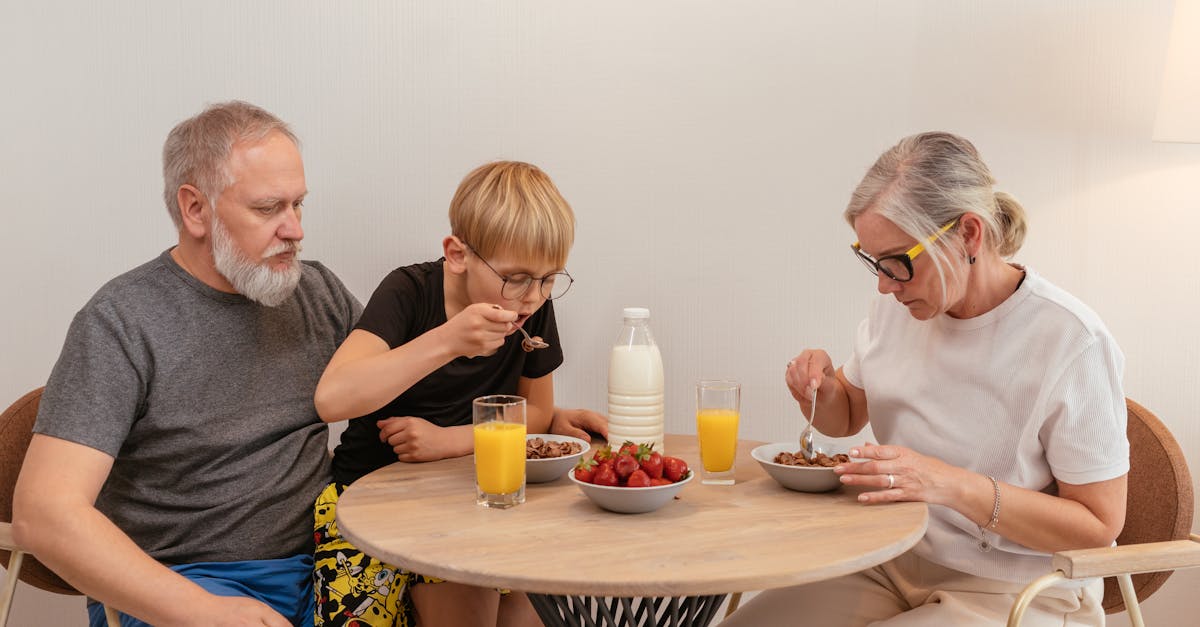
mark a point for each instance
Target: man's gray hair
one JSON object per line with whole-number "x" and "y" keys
{"x": 197, "y": 150}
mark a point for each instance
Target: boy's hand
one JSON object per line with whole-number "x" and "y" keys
{"x": 480, "y": 329}
{"x": 577, "y": 422}
{"x": 418, "y": 440}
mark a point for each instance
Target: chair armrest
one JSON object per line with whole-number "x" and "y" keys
{"x": 6, "y": 537}
{"x": 1132, "y": 559}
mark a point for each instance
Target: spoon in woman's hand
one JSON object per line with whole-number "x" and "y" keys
{"x": 806, "y": 436}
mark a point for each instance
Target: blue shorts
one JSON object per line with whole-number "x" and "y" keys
{"x": 284, "y": 584}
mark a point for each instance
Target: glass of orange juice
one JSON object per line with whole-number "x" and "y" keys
{"x": 499, "y": 423}
{"x": 718, "y": 404}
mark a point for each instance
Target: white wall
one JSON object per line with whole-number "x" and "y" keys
{"x": 708, "y": 149}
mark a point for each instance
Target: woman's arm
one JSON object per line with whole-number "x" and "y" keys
{"x": 1081, "y": 516}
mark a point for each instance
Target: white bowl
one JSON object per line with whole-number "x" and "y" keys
{"x": 799, "y": 478}
{"x": 551, "y": 468}
{"x": 631, "y": 500}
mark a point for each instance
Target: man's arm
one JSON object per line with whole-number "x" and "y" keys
{"x": 55, "y": 518}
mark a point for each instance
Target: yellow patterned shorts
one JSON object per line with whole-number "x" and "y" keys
{"x": 354, "y": 589}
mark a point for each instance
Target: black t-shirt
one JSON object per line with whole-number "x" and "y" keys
{"x": 409, "y": 302}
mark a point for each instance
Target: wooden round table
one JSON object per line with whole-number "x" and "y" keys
{"x": 710, "y": 541}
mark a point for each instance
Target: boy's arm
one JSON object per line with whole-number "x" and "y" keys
{"x": 414, "y": 439}
{"x": 366, "y": 374}
{"x": 55, "y": 518}
{"x": 539, "y": 402}
{"x": 541, "y": 416}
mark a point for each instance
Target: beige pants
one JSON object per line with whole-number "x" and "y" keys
{"x": 910, "y": 591}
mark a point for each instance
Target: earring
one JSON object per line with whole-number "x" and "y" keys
{"x": 971, "y": 260}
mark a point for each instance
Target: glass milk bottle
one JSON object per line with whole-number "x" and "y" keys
{"x": 635, "y": 384}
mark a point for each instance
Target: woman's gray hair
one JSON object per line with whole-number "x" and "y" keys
{"x": 927, "y": 181}
{"x": 197, "y": 150}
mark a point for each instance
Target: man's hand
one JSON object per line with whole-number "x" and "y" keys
{"x": 577, "y": 422}
{"x": 238, "y": 612}
{"x": 418, "y": 440}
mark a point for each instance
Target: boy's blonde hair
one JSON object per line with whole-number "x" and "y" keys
{"x": 514, "y": 207}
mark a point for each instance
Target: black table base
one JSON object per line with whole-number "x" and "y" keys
{"x": 578, "y": 611}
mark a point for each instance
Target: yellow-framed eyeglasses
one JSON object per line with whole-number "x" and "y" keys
{"x": 898, "y": 267}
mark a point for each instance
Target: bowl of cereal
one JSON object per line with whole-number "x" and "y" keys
{"x": 549, "y": 457}
{"x": 784, "y": 462}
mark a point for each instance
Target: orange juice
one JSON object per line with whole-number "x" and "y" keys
{"x": 718, "y": 438}
{"x": 499, "y": 457}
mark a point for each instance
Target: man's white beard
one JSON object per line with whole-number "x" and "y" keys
{"x": 256, "y": 281}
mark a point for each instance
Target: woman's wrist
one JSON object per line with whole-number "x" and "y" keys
{"x": 980, "y": 500}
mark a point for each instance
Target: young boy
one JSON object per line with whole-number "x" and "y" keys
{"x": 433, "y": 337}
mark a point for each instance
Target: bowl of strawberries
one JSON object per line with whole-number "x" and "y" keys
{"x": 634, "y": 479}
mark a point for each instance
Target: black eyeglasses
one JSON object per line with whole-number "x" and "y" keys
{"x": 897, "y": 267}
{"x": 553, "y": 285}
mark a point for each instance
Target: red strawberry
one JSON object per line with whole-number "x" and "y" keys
{"x": 585, "y": 470}
{"x": 638, "y": 479}
{"x": 605, "y": 475}
{"x": 602, "y": 454}
{"x": 650, "y": 461}
{"x": 660, "y": 481}
{"x": 628, "y": 447}
{"x": 674, "y": 468}
{"x": 625, "y": 465}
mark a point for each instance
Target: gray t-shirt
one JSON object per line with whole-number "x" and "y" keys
{"x": 205, "y": 401}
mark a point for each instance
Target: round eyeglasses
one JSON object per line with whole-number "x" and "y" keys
{"x": 552, "y": 286}
{"x": 898, "y": 267}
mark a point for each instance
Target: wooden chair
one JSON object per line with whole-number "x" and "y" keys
{"x": 16, "y": 430}
{"x": 1157, "y": 537}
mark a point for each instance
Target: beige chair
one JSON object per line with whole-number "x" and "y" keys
{"x": 1157, "y": 537}
{"x": 16, "y": 430}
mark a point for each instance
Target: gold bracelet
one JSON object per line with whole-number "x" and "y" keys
{"x": 984, "y": 545}
{"x": 995, "y": 503}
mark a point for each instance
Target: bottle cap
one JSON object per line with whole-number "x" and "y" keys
{"x": 636, "y": 313}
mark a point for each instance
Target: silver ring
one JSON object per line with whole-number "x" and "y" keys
{"x": 891, "y": 481}
{"x": 791, "y": 362}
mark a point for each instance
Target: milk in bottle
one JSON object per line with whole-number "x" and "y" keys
{"x": 635, "y": 384}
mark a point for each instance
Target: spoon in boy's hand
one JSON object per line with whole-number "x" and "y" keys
{"x": 531, "y": 344}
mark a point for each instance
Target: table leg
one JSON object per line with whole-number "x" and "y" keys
{"x": 580, "y": 611}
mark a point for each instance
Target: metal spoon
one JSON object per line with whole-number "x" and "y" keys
{"x": 531, "y": 344}
{"x": 806, "y": 436}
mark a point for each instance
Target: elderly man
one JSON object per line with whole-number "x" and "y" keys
{"x": 177, "y": 452}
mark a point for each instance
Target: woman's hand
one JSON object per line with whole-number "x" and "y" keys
{"x": 900, "y": 474}
{"x": 418, "y": 440}
{"x": 812, "y": 368}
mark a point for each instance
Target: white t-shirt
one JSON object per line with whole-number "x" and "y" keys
{"x": 1029, "y": 392}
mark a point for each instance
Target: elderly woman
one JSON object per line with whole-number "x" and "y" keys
{"x": 995, "y": 396}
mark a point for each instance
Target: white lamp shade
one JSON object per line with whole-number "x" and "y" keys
{"x": 1179, "y": 103}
